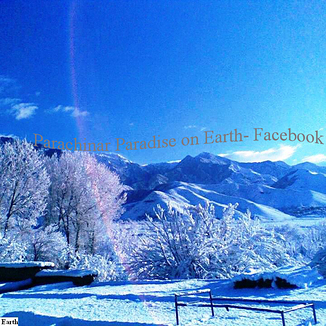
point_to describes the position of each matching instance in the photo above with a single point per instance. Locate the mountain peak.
(212, 158)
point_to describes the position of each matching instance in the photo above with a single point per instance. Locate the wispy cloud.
(131, 124)
(318, 158)
(8, 86)
(5, 82)
(8, 101)
(280, 153)
(194, 127)
(23, 110)
(72, 110)
(13, 105)
(190, 127)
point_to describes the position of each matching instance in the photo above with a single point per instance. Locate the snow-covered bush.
(125, 237)
(196, 244)
(315, 244)
(295, 242)
(170, 246)
(319, 261)
(314, 240)
(41, 244)
(48, 244)
(13, 248)
(245, 244)
(106, 266)
(304, 244)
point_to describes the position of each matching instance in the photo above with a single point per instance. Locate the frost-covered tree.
(24, 184)
(84, 197)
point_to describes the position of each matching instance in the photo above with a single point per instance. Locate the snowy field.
(150, 303)
(303, 221)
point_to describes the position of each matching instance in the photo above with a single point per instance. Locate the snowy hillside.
(271, 190)
(181, 195)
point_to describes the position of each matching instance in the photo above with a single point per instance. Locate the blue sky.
(101, 70)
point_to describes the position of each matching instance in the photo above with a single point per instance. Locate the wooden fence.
(210, 303)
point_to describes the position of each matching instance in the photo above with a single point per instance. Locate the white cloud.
(194, 127)
(190, 127)
(74, 111)
(131, 124)
(23, 110)
(318, 158)
(9, 89)
(281, 153)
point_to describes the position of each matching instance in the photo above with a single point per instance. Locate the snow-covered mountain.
(270, 190)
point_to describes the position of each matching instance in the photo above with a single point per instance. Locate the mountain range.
(273, 191)
(270, 190)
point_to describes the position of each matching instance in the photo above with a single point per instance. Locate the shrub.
(196, 244)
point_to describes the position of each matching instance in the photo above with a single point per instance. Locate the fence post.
(314, 312)
(176, 308)
(283, 320)
(211, 300)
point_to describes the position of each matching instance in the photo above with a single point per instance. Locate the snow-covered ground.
(150, 303)
(303, 221)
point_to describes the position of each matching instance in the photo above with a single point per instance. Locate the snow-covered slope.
(271, 190)
(275, 169)
(181, 195)
(310, 166)
(302, 179)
